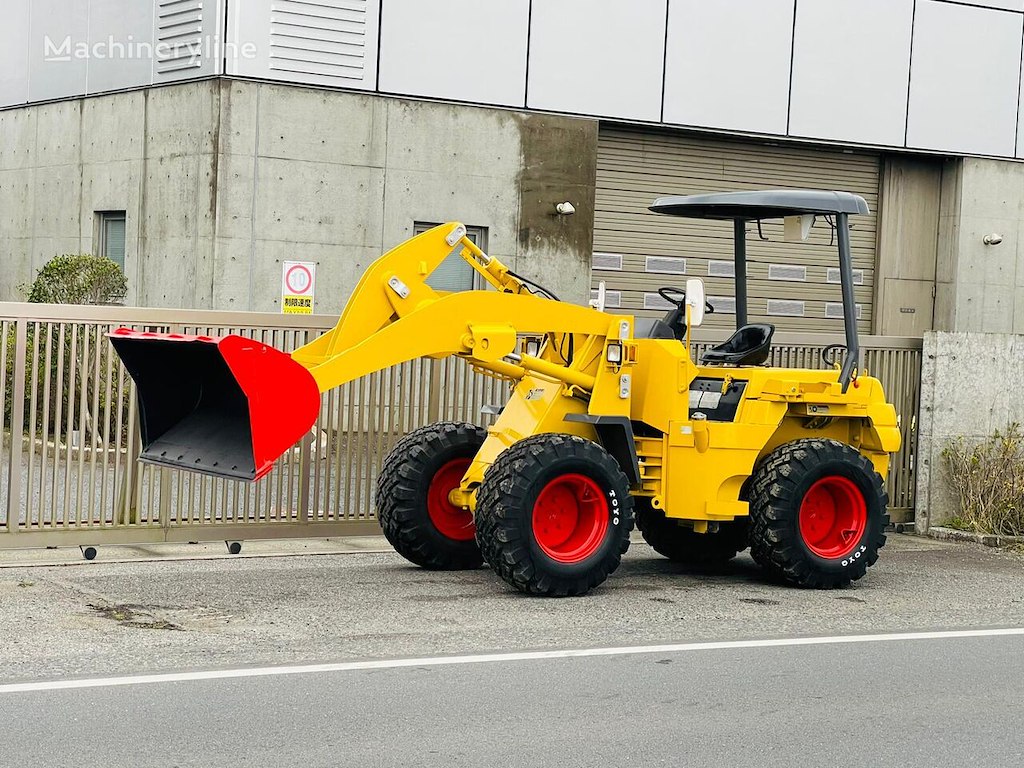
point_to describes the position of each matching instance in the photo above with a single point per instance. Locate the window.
(111, 236)
(454, 274)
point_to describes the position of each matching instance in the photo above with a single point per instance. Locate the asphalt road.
(103, 618)
(910, 702)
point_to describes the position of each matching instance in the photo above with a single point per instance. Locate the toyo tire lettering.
(818, 512)
(554, 515)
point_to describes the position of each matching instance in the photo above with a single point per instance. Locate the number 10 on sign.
(298, 281)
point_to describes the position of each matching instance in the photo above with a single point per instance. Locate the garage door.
(793, 285)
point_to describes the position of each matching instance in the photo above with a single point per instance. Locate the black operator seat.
(750, 345)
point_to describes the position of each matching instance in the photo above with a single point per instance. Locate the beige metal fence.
(68, 469)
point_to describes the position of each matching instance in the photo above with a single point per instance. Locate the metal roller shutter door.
(794, 285)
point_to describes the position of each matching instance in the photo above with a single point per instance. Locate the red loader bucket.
(227, 407)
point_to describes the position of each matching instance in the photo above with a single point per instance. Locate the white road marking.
(491, 658)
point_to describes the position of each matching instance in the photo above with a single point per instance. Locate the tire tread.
(400, 511)
(774, 543)
(500, 519)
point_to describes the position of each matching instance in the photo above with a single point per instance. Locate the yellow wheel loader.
(610, 419)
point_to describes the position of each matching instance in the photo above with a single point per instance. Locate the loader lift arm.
(215, 405)
(394, 316)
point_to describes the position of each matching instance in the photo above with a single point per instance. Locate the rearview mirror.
(797, 228)
(695, 300)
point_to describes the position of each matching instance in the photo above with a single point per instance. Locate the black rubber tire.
(681, 544)
(777, 492)
(401, 498)
(504, 514)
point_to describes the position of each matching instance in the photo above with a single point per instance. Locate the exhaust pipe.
(227, 407)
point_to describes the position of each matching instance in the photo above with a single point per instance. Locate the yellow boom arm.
(394, 316)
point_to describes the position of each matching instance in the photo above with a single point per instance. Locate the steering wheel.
(677, 296)
(829, 359)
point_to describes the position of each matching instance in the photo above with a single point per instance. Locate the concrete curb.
(171, 552)
(988, 539)
(168, 552)
(41, 563)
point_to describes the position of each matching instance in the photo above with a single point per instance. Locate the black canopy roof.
(768, 204)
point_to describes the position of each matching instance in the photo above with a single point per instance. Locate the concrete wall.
(980, 287)
(150, 153)
(224, 180)
(967, 391)
(58, 164)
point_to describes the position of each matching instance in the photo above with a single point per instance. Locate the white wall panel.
(486, 65)
(248, 36)
(851, 70)
(1008, 5)
(1020, 117)
(14, 43)
(727, 64)
(964, 79)
(597, 57)
(115, 30)
(53, 73)
(326, 42)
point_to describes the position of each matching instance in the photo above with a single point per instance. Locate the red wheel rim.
(833, 517)
(454, 522)
(570, 518)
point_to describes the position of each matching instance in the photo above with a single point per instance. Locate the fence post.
(434, 401)
(126, 508)
(305, 468)
(165, 498)
(17, 430)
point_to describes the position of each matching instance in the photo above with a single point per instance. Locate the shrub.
(988, 481)
(78, 279)
(67, 279)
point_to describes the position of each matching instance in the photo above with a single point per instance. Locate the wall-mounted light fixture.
(993, 239)
(565, 209)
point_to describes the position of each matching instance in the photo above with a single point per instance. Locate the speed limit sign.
(298, 282)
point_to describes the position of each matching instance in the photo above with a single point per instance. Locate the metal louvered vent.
(785, 308)
(654, 301)
(665, 265)
(607, 261)
(787, 272)
(724, 305)
(612, 299)
(179, 36)
(325, 38)
(834, 309)
(832, 276)
(721, 269)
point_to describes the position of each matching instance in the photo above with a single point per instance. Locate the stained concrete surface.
(222, 180)
(966, 395)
